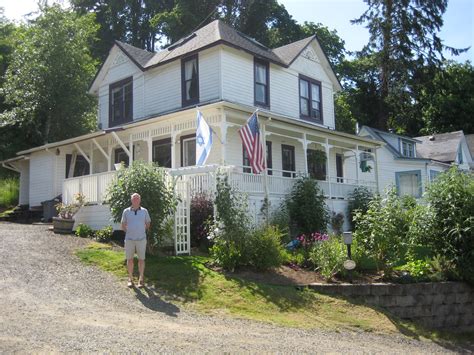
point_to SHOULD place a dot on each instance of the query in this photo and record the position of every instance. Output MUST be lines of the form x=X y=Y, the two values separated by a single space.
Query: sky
x=458 y=29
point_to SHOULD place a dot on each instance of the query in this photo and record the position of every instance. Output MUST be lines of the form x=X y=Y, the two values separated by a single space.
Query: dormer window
x=190 y=80
x=121 y=102
x=408 y=149
x=310 y=99
x=262 y=83
x=460 y=160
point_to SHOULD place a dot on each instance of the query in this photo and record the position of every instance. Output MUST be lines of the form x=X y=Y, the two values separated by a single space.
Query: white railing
x=92 y=186
x=95 y=186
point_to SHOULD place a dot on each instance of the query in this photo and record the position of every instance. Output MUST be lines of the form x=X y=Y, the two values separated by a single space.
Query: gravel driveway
x=50 y=301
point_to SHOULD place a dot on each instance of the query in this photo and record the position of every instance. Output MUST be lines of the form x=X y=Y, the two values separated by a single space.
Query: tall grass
x=9 y=192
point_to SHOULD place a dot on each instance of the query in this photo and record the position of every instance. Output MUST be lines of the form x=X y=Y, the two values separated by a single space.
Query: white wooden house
x=410 y=164
x=147 y=110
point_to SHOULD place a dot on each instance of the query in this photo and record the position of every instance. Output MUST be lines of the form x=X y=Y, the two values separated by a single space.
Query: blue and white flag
x=203 y=140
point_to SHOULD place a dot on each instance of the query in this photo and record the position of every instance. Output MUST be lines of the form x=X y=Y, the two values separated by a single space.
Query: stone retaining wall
x=435 y=305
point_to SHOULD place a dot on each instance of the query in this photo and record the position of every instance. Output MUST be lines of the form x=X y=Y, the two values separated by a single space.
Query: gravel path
x=50 y=301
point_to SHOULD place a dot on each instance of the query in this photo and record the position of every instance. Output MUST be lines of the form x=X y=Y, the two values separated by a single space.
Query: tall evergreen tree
x=403 y=38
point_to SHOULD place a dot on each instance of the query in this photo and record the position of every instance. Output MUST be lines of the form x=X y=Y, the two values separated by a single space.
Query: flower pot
x=62 y=225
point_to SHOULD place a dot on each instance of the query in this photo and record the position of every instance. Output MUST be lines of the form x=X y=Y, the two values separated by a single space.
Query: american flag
x=250 y=135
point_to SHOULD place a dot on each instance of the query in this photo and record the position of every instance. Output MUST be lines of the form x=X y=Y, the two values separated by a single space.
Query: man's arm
x=147 y=221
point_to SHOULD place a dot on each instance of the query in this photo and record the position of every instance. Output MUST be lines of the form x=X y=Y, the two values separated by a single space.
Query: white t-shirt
x=135 y=221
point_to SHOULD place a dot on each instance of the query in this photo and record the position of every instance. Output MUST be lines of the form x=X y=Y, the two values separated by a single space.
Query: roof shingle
x=441 y=147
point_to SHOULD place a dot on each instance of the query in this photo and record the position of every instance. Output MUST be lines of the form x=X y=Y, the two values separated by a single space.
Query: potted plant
x=64 y=223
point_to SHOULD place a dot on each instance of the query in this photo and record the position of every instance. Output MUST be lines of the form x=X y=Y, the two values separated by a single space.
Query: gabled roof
x=379 y=135
x=442 y=147
x=215 y=33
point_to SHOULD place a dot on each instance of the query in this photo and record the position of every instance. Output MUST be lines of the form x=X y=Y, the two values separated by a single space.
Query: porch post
x=224 y=140
x=130 y=148
x=305 y=150
x=357 y=163
x=173 y=150
x=109 y=157
x=376 y=163
x=91 y=164
x=328 y=170
x=149 y=143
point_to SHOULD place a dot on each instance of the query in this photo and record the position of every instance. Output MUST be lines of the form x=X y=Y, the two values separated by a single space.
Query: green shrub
x=281 y=219
x=419 y=270
x=265 y=248
x=104 y=235
x=9 y=192
x=329 y=256
x=337 y=222
x=84 y=231
x=307 y=207
x=382 y=232
x=151 y=183
x=230 y=232
x=358 y=202
x=451 y=202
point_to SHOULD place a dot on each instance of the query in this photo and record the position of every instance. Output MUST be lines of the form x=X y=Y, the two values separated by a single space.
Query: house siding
x=41 y=186
x=24 y=198
x=237 y=77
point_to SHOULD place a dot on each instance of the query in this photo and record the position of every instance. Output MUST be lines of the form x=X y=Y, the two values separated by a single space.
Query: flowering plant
x=309 y=240
x=68 y=210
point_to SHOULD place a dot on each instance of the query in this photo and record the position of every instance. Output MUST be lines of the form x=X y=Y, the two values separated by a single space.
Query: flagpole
x=265 y=173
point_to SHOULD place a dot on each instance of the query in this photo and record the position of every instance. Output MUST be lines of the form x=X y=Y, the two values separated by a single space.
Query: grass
x=9 y=192
x=188 y=282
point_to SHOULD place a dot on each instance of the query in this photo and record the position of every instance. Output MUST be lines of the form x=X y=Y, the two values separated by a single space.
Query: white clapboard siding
x=209 y=75
x=237 y=76
x=96 y=217
x=24 y=197
x=41 y=188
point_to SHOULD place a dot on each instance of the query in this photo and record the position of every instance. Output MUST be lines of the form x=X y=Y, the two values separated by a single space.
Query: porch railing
x=94 y=186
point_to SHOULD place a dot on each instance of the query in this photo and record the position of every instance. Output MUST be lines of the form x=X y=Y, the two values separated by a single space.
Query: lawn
x=188 y=282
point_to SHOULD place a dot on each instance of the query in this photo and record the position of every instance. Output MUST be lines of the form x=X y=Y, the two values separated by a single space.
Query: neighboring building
x=470 y=145
x=147 y=111
x=412 y=163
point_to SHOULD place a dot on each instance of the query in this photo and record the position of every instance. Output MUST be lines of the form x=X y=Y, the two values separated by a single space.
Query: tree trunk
x=385 y=66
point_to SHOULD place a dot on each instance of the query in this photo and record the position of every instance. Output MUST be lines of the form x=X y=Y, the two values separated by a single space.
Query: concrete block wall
x=434 y=305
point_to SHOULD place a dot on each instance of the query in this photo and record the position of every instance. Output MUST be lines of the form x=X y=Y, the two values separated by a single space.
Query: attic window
x=408 y=149
x=121 y=102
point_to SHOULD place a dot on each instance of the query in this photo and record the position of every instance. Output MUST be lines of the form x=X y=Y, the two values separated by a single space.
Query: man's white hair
x=135 y=195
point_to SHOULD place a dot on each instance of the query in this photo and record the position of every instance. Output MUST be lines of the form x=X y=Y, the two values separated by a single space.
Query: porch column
x=328 y=170
x=173 y=150
x=130 y=148
x=109 y=155
x=223 y=141
x=149 y=143
x=305 y=150
x=357 y=163
x=91 y=165
x=376 y=163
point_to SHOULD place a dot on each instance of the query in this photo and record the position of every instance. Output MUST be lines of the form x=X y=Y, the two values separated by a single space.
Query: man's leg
x=141 y=251
x=129 y=253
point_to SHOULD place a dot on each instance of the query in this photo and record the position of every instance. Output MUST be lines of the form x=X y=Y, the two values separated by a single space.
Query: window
x=316 y=164
x=288 y=160
x=460 y=160
x=434 y=174
x=408 y=183
x=121 y=156
x=190 y=80
x=81 y=166
x=162 y=152
x=262 y=79
x=246 y=160
x=121 y=102
x=339 y=168
x=310 y=99
x=188 y=150
x=408 y=149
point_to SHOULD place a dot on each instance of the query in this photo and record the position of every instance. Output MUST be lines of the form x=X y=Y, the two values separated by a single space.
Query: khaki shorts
x=132 y=246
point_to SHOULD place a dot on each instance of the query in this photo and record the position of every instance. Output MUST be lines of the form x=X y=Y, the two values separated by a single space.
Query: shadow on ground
x=151 y=299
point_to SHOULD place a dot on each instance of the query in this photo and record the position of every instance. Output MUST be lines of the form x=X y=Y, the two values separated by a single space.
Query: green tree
x=46 y=83
x=448 y=104
x=403 y=39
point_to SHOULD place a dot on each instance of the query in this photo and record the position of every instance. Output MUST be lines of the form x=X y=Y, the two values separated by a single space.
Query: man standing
x=135 y=223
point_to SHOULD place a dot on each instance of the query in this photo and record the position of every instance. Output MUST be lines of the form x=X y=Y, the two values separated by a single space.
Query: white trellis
x=182 y=218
